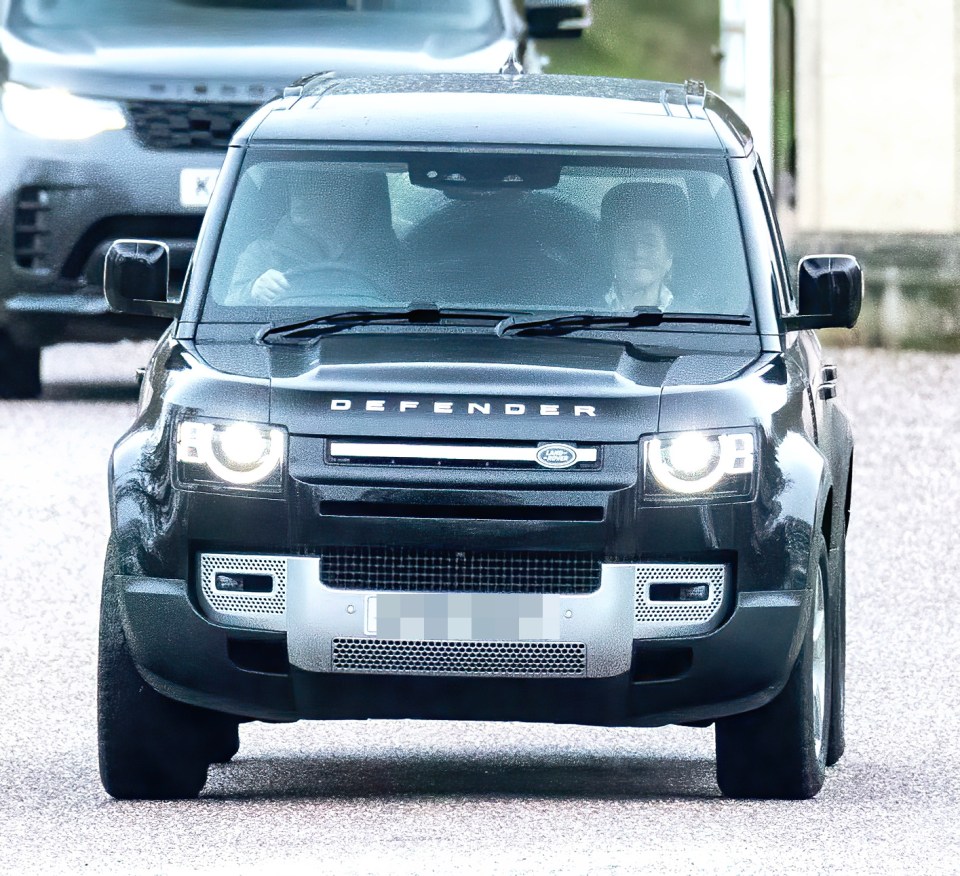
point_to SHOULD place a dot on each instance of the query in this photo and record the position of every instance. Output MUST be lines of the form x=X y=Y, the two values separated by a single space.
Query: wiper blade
x=334 y=322
x=569 y=322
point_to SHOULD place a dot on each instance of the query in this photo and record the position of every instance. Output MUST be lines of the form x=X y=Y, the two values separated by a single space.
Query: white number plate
x=196 y=185
x=511 y=617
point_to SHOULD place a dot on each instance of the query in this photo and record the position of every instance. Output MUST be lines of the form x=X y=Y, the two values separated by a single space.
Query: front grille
x=159 y=124
x=31 y=227
x=431 y=570
x=447 y=657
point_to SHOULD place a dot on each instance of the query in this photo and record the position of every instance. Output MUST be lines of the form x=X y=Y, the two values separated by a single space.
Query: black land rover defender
x=488 y=397
x=115 y=116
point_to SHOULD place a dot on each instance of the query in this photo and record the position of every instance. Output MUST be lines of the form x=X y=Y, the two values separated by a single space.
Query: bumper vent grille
x=261 y=610
x=425 y=569
x=444 y=657
x=31 y=228
x=657 y=616
x=170 y=125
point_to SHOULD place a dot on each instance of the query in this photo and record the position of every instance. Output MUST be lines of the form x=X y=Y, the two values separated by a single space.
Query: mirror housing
x=136 y=278
x=552 y=19
x=831 y=293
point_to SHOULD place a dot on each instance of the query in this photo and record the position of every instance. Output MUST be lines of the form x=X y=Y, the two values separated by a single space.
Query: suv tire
x=227 y=744
x=837 y=739
x=151 y=747
x=774 y=752
x=19 y=368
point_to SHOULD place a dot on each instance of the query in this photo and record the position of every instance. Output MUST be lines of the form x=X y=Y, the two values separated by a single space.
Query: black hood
x=468 y=386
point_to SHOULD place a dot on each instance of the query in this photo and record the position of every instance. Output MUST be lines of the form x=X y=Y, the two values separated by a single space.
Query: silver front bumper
x=520 y=635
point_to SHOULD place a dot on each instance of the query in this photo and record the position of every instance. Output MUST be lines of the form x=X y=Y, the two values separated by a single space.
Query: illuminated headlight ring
x=239 y=453
x=693 y=462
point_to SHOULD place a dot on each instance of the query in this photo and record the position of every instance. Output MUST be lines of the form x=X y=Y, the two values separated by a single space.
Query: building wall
x=746 y=67
x=877 y=89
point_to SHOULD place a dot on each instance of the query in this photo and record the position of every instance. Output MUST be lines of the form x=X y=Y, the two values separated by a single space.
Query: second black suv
x=115 y=117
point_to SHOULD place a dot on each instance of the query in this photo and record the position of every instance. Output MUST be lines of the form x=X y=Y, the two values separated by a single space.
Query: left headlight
x=55 y=114
x=699 y=465
x=237 y=454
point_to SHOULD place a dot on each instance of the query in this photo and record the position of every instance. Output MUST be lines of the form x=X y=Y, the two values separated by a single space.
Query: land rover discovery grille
x=160 y=124
x=426 y=569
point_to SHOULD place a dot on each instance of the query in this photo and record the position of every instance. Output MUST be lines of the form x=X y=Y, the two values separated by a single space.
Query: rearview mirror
x=831 y=293
x=136 y=278
x=550 y=19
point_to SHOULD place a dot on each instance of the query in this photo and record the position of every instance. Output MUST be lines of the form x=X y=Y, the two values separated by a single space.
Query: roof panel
x=496 y=109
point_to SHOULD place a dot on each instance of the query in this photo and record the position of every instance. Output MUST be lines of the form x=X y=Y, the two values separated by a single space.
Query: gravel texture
x=417 y=797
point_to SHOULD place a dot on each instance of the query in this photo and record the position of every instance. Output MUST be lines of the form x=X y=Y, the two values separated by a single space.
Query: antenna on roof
x=511 y=67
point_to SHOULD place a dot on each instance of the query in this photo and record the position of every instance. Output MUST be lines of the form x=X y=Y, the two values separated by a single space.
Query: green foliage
x=669 y=40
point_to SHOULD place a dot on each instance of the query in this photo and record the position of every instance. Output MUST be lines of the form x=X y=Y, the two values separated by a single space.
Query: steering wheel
x=371 y=293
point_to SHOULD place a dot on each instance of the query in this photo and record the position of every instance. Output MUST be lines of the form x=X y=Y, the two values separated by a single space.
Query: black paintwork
x=641 y=382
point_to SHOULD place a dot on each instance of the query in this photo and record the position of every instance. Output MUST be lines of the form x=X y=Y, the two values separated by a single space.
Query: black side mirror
x=550 y=19
x=831 y=293
x=136 y=278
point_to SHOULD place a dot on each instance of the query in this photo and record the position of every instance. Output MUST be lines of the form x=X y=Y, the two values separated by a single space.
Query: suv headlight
x=238 y=454
x=699 y=465
x=55 y=114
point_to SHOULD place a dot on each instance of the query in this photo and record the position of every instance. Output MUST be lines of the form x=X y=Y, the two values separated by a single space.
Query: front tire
x=837 y=740
x=151 y=747
x=779 y=751
x=19 y=369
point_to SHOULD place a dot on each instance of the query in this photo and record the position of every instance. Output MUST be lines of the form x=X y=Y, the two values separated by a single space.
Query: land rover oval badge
x=556 y=456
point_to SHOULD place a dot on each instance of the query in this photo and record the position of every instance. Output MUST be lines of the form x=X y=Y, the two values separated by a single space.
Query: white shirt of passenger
x=615 y=301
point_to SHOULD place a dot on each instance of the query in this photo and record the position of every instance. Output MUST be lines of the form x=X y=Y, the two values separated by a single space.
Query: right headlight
x=230 y=454
x=694 y=466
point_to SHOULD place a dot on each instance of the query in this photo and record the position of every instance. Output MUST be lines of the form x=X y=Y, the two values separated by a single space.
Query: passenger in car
x=639 y=223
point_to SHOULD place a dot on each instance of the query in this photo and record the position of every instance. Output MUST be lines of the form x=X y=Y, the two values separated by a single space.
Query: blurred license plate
x=510 y=617
x=196 y=185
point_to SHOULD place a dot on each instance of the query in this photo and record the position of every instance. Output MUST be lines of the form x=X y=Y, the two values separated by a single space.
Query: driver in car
x=337 y=223
x=638 y=222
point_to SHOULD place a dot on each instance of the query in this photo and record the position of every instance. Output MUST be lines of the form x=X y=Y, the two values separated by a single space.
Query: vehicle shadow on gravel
x=569 y=775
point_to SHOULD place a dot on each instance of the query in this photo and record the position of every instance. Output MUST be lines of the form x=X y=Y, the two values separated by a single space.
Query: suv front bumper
x=628 y=677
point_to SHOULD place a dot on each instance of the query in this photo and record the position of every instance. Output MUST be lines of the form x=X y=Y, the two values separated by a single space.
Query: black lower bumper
x=738 y=667
x=81 y=315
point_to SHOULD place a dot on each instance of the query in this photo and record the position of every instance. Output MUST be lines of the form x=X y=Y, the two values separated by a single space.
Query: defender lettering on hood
x=383 y=406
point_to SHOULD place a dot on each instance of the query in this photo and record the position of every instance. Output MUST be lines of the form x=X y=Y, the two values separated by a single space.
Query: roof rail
x=512 y=66
x=695 y=95
x=295 y=89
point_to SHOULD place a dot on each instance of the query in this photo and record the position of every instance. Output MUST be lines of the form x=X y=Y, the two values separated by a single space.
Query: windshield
x=250 y=15
x=529 y=232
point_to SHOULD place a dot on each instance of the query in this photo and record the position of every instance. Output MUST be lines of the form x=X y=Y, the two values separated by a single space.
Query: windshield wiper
x=570 y=322
x=334 y=322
